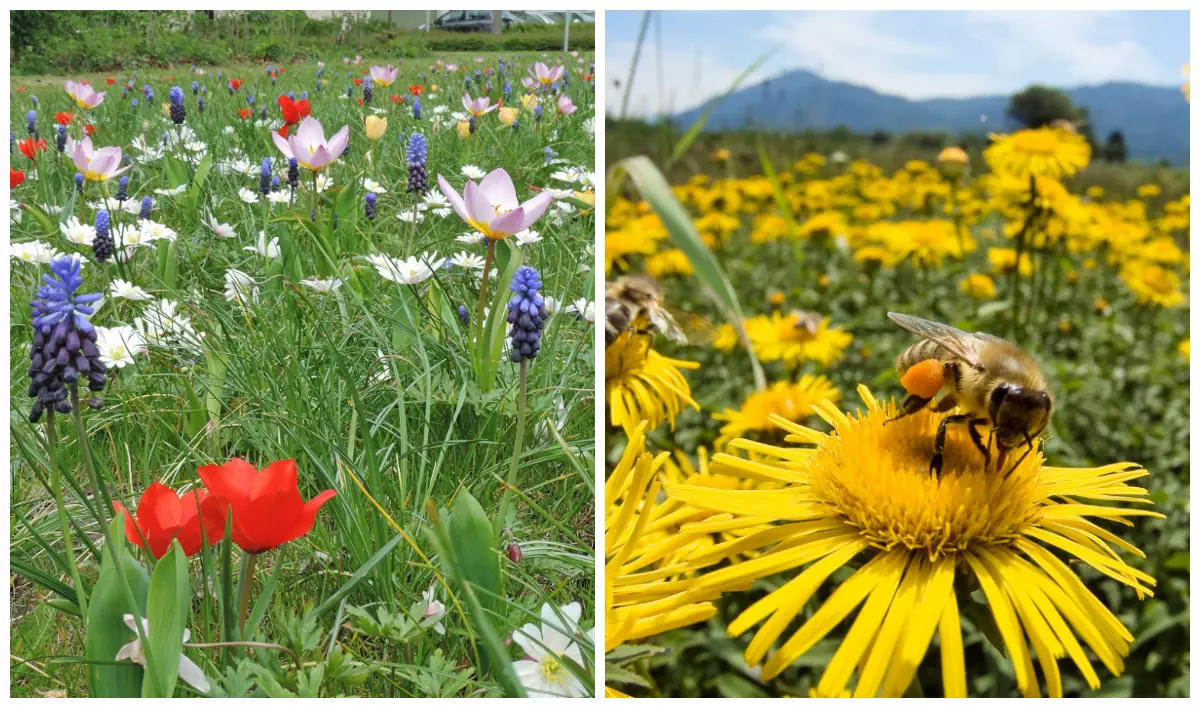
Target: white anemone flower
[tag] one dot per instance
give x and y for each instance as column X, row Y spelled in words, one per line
column 77, row 232
column 128, row 291
column 527, row 237
column 470, row 238
column 264, row 248
column 118, row 345
column 322, row 286
column 220, row 230
column 372, row 186
column 191, row 674
column 469, row 261
column 32, row 252
column 542, row 672
column 584, row 309
column 278, row 197
column 248, row 196
column 473, row 172
column 240, row 287
column 437, row 203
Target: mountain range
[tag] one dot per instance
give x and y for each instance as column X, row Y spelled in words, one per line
column 1154, row 119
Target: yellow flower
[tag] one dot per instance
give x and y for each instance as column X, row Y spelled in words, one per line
column 790, row 401
column 784, row 337
column 1003, row 260
column 776, row 298
column 720, row 155
column 529, row 102
column 1185, row 349
column 1042, row 152
column 1152, row 284
column 507, row 115
column 1095, row 192
column 642, row 539
column 862, row 498
column 978, row 286
column 670, row 262
column 642, row 385
column 464, row 129
column 953, row 155
column 375, row 127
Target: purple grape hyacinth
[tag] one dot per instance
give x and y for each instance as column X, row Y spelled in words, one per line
column 526, row 313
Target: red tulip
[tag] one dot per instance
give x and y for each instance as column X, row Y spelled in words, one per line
column 360, row 101
column 15, row 178
column 111, row 81
column 267, row 508
column 397, row 99
column 63, row 118
column 30, row 147
column 163, row 516
column 358, row 82
column 235, row 84
column 293, row 111
column 283, row 130
column 21, row 89
column 89, row 128
column 244, row 113
column 415, row 89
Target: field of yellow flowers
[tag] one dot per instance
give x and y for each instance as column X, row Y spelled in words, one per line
column 770, row 532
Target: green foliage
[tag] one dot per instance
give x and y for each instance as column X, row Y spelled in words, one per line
column 106, row 629
column 1037, row 106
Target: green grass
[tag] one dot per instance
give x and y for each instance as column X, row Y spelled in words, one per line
column 302, row 378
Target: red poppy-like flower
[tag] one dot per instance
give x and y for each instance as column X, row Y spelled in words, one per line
column 293, row 111
column 585, row 76
column 415, row 89
column 15, row 177
column 111, row 81
column 360, row 101
column 30, row 147
column 268, row 510
column 163, row 515
column 244, row 113
column 89, row 128
column 235, row 84
column 397, row 99
column 63, row 118
column 128, row 86
column 21, row 89
column 358, row 82
column 283, row 130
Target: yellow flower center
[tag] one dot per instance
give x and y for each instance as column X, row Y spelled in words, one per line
column 552, row 670
column 878, row 478
column 1040, row 142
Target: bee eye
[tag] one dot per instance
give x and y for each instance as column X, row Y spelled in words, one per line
column 1000, row 393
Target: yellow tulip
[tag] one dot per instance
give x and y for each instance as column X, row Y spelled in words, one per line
column 529, row 102
column 464, row 129
column 375, row 127
column 167, row 110
column 507, row 115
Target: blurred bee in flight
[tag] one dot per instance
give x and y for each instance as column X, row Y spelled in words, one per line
column 635, row 304
column 994, row 381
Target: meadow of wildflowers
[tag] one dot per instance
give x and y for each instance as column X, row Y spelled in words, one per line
column 302, row 379
column 770, row 532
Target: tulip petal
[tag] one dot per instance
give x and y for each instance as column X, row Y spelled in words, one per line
column 131, row 530
column 535, row 207
column 158, row 516
column 456, row 201
column 308, row 515
column 508, row 224
column 311, row 134
column 478, row 207
column 497, row 187
column 231, row 480
column 337, row 144
column 284, row 146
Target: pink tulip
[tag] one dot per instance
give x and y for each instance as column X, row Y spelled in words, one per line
column 545, row 75
column 85, row 96
column 530, row 83
column 491, row 207
column 308, row 144
column 97, row 165
column 384, row 76
column 565, row 106
column 478, row 106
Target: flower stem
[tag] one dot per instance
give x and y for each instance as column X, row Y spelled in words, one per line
column 85, row 450
column 64, row 527
column 314, row 199
column 247, row 582
column 487, row 267
column 506, row 499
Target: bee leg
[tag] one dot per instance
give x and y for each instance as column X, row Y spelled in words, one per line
column 911, row 404
column 977, row 438
column 939, row 441
column 947, row 404
column 1028, row 449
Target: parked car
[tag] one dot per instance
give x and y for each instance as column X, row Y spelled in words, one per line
column 471, row 20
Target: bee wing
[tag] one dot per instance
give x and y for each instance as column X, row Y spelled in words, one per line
column 664, row 322
column 697, row 329
column 959, row 343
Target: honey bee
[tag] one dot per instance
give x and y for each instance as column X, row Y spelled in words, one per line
column 632, row 302
column 993, row 380
column 808, row 321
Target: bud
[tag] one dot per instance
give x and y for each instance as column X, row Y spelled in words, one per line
column 514, row 553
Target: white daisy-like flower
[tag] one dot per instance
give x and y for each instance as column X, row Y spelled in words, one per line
column 191, row 674
column 372, row 186
column 77, row 232
column 527, row 237
column 569, row 175
column 584, row 308
column 437, row 203
column 542, row 672
column 118, row 345
column 378, row 111
column 469, row 261
column 438, row 110
column 220, row 230
column 128, row 291
column 322, row 286
column 237, row 165
column 248, row 196
column 550, row 303
column 560, row 193
column 470, row 238
column 15, row 213
column 264, row 248
column 171, row 191
column 154, row 231
column 473, row 172
column 278, row 197
column 589, row 125
column 195, row 146
column 32, row 252
column 240, row 288
column 407, row 271
column 161, row 324
column 50, row 209
column 410, row 216
column 458, row 115
column 128, row 236
column 230, row 130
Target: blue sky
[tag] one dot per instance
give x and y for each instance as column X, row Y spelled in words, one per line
column 914, row 54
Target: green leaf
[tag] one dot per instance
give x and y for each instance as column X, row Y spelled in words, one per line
column 475, row 548
column 176, row 172
column 615, row 674
column 653, row 187
column 167, row 606
column 264, row 598
column 106, row 628
column 202, row 171
column 332, row 601
column 40, row 216
column 781, row 200
column 488, row 355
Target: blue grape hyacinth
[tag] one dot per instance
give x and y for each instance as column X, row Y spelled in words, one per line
column 102, row 244
column 176, row 109
column 370, row 205
column 418, row 178
column 264, row 176
column 526, row 313
column 64, row 340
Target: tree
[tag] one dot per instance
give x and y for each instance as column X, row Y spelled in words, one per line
column 881, row 137
column 1114, row 147
column 1037, row 106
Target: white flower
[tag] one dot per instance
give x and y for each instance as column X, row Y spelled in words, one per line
column 437, row 203
column 117, row 345
column 195, row 146
column 590, row 126
column 438, row 110
column 248, row 196
column 569, row 175
column 584, row 309
column 469, row 261
column 240, row 288
column 372, row 186
column 229, row 130
column 473, row 172
column 407, row 271
column 323, row 286
column 324, row 182
column 527, row 237
column 456, row 116
column 543, row 674
column 559, row 420
column 15, row 213
column 263, row 247
column 161, row 325
column 383, row 371
column 32, row 252
column 551, row 304
column 838, row 156
column 410, row 216
column 470, row 238
column 219, row 229
column 128, row 291
column 172, row 191
column 127, row 237
column 191, row 674
column 50, row 209
column 430, row 610
column 278, row 197
column 78, row 233
column 237, row 165
column 154, row 231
